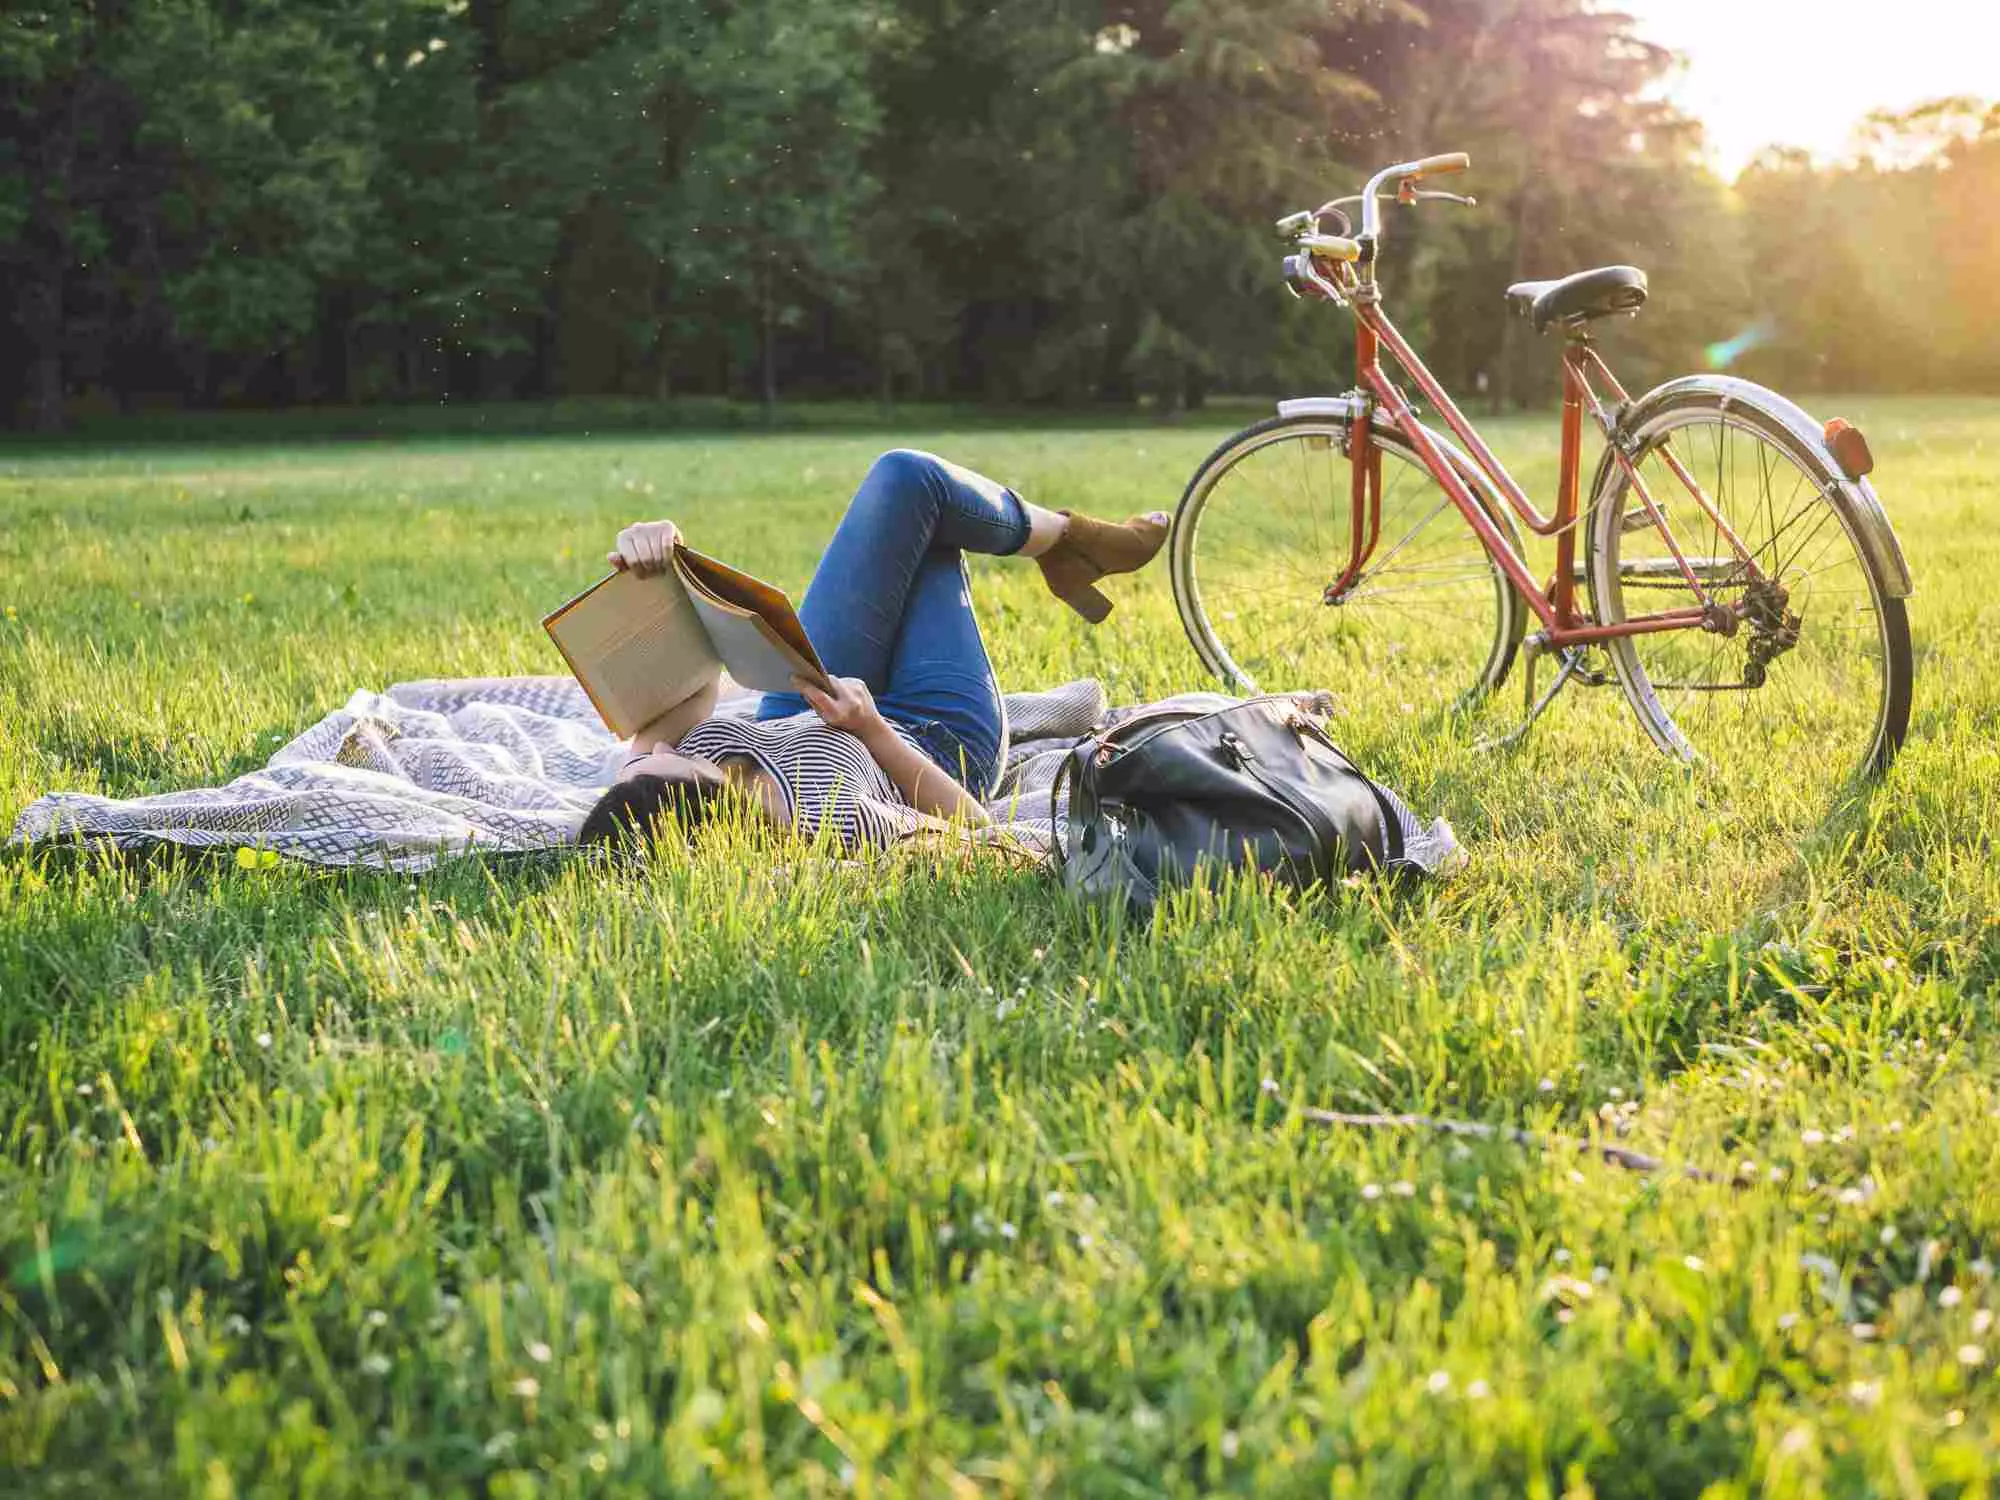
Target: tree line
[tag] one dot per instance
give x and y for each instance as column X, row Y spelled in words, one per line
column 277, row 202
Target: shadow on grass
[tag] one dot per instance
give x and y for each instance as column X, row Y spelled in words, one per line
column 121, row 764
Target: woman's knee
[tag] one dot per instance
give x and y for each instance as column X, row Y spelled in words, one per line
column 909, row 471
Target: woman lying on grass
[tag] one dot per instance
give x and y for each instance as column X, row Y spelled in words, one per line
column 914, row 729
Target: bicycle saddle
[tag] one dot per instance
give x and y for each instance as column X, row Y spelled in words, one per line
column 1578, row 298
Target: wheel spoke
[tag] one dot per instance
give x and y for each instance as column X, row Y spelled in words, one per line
column 1251, row 584
column 1768, row 702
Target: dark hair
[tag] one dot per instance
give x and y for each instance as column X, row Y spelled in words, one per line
column 633, row 812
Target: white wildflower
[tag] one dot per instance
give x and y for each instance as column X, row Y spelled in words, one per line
column 1439, row 1383
column 1972, row 1356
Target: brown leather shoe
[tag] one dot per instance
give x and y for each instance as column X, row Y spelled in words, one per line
column 1089, row 549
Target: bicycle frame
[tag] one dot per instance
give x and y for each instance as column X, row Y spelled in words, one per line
column 1555, row 604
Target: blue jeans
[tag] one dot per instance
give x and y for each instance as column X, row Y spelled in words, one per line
column 890, row 603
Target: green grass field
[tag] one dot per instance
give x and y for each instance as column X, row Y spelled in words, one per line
column 748, row 1176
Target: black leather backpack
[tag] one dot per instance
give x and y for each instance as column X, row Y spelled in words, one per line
column 1258, row 785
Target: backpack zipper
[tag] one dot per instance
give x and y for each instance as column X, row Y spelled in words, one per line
column 1319, row 828
column 1392, row 827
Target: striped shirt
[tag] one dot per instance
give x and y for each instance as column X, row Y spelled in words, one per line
column 827, row 777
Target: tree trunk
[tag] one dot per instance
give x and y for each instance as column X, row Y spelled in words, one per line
column 767, row 335
column 1505, row 381
column 660, row 299
column 45, row 390
column 42, row 310
column 41, row 314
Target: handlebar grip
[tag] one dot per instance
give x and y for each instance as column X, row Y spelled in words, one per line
column 1438, row 166
column 1332, row 246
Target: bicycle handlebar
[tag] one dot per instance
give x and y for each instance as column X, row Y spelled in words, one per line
column 1304, row 273
column 1407, row 173
column 1311, row 273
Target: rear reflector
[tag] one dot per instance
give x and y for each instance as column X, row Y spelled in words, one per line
column 1849, row 448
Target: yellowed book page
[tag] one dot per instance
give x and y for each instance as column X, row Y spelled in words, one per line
column 755, row 654
column 637, row 646
column 754, row 629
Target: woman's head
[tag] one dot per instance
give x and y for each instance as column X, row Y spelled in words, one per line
column 654, row 791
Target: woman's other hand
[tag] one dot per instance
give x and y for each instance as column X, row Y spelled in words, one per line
column 847, row 705
column 645, row 547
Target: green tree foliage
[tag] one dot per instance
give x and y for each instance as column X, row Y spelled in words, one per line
column 272, row 201
column 1880, row 273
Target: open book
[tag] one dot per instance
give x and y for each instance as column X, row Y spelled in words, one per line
column 641, row 645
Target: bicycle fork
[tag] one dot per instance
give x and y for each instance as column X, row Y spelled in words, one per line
column 1364, row 505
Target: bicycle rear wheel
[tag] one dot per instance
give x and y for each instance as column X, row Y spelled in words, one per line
column 1811, row 685
column 1265, row 527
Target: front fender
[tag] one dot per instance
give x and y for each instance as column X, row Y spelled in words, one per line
column 1864, row 507
column 1342, row 408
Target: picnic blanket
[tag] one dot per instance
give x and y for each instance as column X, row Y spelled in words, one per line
column 428, row 770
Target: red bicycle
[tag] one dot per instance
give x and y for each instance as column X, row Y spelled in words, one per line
column 1742, row 583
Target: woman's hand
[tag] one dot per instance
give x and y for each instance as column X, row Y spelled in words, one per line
column 645, row 547
column 849, row 705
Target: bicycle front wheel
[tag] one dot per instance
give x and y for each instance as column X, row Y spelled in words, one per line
column 1265, row 527
column 1810, row 683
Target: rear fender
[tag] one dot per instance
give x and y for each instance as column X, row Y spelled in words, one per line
column 1863, row 506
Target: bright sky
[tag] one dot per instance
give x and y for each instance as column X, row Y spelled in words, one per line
column 1804, row 72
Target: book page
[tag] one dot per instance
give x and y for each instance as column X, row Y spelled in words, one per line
column 752, row 625
column 637, row 646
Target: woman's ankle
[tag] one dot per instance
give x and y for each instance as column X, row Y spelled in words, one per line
column 1045, row 529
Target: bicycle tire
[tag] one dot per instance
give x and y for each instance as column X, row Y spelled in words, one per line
column 1505, row 617
column 1668, row 708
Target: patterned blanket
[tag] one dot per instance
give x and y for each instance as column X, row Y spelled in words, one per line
column 426, row 770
